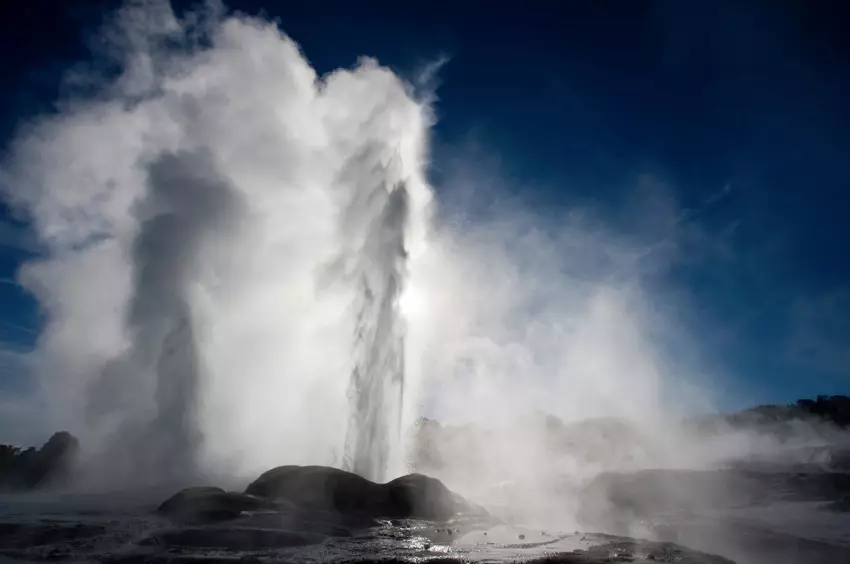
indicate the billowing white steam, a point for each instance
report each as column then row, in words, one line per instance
column 220, row 220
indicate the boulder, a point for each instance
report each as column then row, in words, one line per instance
column 209, row 504
column 419, row 496
column 321, row 488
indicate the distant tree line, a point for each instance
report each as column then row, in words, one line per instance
column 831, row 409
column 835, row 409
column 32, row 468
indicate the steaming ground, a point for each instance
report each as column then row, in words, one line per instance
column 245, row 266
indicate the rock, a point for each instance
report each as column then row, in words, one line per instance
column 322, row 488
column 414, row 496
column 422, row 497
column 210, row 504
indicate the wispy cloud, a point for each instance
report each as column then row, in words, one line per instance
column 427, row 75
column 675, row 233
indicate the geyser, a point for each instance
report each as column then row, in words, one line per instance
column 227, row 237
column 377, row 380
column 241, row 272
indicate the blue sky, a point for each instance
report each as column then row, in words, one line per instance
column 740, row 109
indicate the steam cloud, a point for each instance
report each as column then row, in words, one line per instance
column 228, row 237
column 186, row 203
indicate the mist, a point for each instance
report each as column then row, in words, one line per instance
column 246, row 267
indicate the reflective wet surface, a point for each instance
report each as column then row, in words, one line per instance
column 777, row 519
column 87, row 530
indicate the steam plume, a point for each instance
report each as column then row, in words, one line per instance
column 191, row 208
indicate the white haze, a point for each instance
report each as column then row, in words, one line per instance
column 200, row 202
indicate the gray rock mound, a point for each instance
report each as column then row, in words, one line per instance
column 321, row 488
column 210, row 504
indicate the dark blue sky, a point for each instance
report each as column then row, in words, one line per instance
column 740, row 108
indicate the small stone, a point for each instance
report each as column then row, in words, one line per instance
column 522, row 537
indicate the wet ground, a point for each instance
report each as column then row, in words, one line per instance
column 749, row 516
column 77, row 530
column 746, row 517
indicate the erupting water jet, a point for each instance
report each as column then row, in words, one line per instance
column 377, row 379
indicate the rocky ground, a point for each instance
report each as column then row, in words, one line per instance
column 261, row 538
column 305, row 515
column 316, row 514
